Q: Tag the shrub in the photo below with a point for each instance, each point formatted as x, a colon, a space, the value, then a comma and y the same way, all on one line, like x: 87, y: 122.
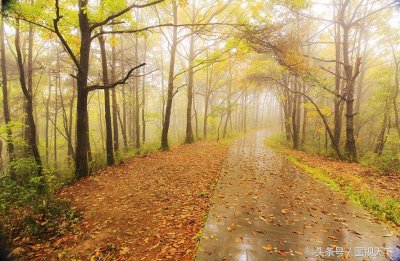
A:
x: 387, y: 162
x: 26, y: 205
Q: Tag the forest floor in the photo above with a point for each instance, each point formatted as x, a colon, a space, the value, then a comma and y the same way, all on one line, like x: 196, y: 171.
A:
x: 383, y: 184
x: 151, y: 207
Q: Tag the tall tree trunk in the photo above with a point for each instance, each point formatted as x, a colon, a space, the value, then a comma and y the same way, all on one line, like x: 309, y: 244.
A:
x: 396, y: 91
x: 57, y: 86
x: 381, y: 137
x: 168, y: 109
x: 189, y: 130
x: 82, y: 124
x: 305, y: 111
x: 350, y: 145
x: 144, y: 95
x: 196, y: 118
x: 337, y: 100
x: 295, y: 115
x: 363, y: 69
x: 207, y: 98
x: 124, y: 114
x: 4, y: 86
x: 137, y: 104
x: 229, y: 109
x: 100, y: 108
x: 107, y: 109
x: 162, y: 89
x: 29, y: 83
x: 205, y: 120
x: 67, y: 121
x: 114, y: 101
x: 29, y: 102
x: 48, y: 119
x: 71, y: 152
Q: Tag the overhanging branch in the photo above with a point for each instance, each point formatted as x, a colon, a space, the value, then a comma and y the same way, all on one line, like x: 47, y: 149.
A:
x: 114, y: 84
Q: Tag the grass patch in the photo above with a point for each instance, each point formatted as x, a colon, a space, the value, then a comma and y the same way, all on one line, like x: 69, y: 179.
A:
x: 276, y: 142
x: 385, y: 208
x: 318, y: 174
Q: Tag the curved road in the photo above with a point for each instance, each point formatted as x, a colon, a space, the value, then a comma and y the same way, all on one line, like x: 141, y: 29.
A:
x: 265, y: 209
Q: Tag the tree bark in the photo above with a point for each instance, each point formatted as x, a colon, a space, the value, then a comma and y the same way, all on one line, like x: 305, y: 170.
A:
x: 381, y: 137
x: 168, y: 109
x: 57, y: 86
x: 189, y: 129
x: 337, y: 100
x: 295, y: 115
x: 82, y: 125
x: 29, y: 103
x: 29, y: 83
x: 48, y: 119
x: 137, y: 104
x: 350, y: 145
x: 144, y: 96
x: 124, y: 114
x: 114, y: 101
x: 107, y: 109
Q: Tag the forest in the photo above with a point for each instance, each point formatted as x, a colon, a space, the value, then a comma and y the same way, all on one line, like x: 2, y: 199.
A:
x: 123, y: 123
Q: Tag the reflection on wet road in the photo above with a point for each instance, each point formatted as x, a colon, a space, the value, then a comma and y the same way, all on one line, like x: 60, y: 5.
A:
x: 265, y: 209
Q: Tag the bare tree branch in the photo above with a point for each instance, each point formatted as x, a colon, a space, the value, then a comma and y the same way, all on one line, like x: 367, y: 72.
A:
x: 114, y: 84
x: 61, y: 37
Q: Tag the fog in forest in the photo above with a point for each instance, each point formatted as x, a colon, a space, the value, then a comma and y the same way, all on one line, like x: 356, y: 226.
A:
x: 91, y: 86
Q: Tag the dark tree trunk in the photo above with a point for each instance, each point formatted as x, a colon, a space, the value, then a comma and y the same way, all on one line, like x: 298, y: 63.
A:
x: 100, y: 108
x: 107, y: 107
x: 189, y: 129
x: 350, y: 145
x: 124, y: 114
x: 162, y: 90
x: 295, y: 116
x: 229, y: 111
x: 286, y: 119
x: 137, y: 104
x: 381, y: 137
x: 114, y: 101
x: 48, y: 119
x: 57, y: 86
x: 144, y: 96
x: 205, y: 121
x: 338, y: 101
x: 29, y: 103
x: 196, y: 118
x: 168, y: 109
x: 82, y: 124
x: 305, y: 111
x: 29, y: 83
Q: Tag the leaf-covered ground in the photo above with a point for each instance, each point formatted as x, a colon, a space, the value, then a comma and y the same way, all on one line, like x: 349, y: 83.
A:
x: 147, y: 208
x: 383, y: 184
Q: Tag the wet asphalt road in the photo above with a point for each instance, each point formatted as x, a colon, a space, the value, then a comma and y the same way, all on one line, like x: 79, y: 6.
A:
x: 265, y: 209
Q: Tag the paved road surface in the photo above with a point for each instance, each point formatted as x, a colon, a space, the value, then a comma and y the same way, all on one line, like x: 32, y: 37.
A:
x: 265, y: 209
